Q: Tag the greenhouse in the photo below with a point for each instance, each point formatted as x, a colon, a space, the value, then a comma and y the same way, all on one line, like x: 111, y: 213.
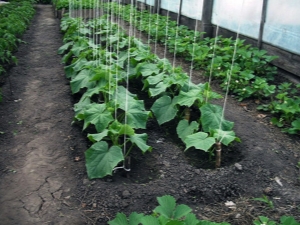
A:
x: 152, y: 112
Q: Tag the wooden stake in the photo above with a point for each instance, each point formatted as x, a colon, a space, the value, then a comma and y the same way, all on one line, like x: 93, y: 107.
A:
x: 218, y: 154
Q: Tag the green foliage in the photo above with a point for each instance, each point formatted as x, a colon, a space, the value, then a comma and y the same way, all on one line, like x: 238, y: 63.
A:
x: 249, y: 73
x: 167, y: 213
x: 244, y: 70
x: 265, y: 200
x: 284, y: 105
x: 15, y: 18
x: 74, y: 4
x: 284, y: 220
x: 97, y: 70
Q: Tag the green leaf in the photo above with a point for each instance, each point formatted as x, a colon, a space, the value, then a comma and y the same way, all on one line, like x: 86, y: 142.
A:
x: 122, y: 95
x: 175, y: 222
x: 83, y: 79
x: 184, y: 128
x: 205, y: 222
x: 100, y: 160
x: 149, y: 220
x: 137, y: 116
x: 158, y: 89
x: 211, y: 118
x: 98, y: 115
x: 190, y: 97
x: 152, y: 80
x: 288, y: 220
x: 148, y: 69
x: 65, y: 47
x: 135, y: 218
x: 164, y: 109
x: 295, y: 127
x: 200, y: 141
x: 141, y: 141
x: 97, y: 137
x: 120, y: 129
x: 120, y: 219
x: 181, y: 211
x: 166, y: 206
x: 191, y: 219
x: 226, y: 137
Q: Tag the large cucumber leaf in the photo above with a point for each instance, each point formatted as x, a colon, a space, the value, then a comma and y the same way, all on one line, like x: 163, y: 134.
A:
x: 199, y: 140
x: 164, y: 109
x: 212, y: 118
x: 184, y: 128
x: 100, y: 160
x: 98, y: 115
x: 82, y: 80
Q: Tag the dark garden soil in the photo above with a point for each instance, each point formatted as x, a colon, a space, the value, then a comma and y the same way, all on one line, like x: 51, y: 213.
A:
x: 42, y: 172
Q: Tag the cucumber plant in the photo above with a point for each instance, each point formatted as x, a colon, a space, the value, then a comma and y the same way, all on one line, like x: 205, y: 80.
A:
x: 112, y: 111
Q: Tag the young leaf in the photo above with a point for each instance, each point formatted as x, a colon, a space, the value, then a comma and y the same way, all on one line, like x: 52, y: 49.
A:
x: 164, y: 109
x: 83, y: 79
x: 166, y: 206
x: 98, y: 115
x: 137, y: 116
x: 140, y: 140
x: 181, y: 211
x: 184, y: 128
x: 158, y: 89
x: 120, y: 219
x: 211, y: 118
x: 288, y: 220
x: 191, y: 219
x: 148, y: 69
x: 226, y: 137
x: 200, y: 141
x: 149, y: 220
x: 97, y: 137
x: 100, y: 160
x: 189, y: 98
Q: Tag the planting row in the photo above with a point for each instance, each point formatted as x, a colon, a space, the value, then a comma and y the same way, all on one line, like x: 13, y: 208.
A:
x: 243, y: 69
x: 75, y: 4
x: 102, y: 63
x: 15, y: 17
x: 170, y: 213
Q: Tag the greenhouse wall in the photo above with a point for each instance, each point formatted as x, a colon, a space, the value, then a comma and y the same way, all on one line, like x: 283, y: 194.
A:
x: 272, y: 25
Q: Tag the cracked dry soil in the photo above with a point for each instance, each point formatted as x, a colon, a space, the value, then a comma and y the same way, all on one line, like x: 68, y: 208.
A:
x: 40, y: 182
x: 37, y: 177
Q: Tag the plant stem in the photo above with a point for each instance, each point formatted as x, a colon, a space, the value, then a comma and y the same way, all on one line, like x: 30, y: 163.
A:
x: 218, y: 154
x: 187, y: 113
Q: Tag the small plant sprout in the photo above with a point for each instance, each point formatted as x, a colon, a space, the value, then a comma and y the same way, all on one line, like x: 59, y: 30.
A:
x: 265, y: 200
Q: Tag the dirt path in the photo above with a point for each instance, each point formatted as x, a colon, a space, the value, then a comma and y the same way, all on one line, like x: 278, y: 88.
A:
x: 37, y: 178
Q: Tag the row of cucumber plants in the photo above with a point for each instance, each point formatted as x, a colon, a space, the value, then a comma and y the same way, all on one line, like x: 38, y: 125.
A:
x: 113, y: 114
x: 15, y: 17
x: 101, y: 57
x: 244, y: 68
x: 170, y: 213
x: 74, y: 4
x: 214, y: 54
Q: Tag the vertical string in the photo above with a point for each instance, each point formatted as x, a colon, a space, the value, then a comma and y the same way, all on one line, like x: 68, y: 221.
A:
x: 193, y: 55
x: 156, y: 31
x: 127, y: 83
x: 176, y: 37
x: 229, y: 74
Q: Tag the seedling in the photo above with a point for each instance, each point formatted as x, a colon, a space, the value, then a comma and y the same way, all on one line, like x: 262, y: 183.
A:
x: 265, y: 200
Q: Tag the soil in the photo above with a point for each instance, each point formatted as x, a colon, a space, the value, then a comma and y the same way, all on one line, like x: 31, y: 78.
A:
x: 42, y: 171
